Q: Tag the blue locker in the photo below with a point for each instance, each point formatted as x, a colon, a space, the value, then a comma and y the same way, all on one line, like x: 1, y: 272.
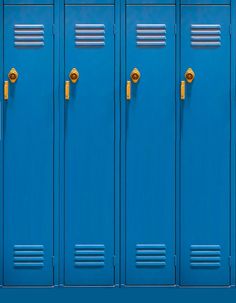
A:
x: 28, y: 145
x: 28, y: 2
x: 149, y: 2
x: 111, y: 173
x: 89, y: 2
x: 205, y: 2
x: 205, y: 145
x: 150, y: 145
x: 89, y: 145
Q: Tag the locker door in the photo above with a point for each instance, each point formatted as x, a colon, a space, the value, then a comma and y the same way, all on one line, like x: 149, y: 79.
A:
x: 150, y: 145
x: 89, y: 145
x: 205, y: 146
x: 28, y: 146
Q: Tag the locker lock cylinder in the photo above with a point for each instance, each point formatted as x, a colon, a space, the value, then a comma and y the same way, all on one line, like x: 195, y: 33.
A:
x: 74, y: 75
x: 135, y: 75
x: 13, y: 75
x: 189, y: 75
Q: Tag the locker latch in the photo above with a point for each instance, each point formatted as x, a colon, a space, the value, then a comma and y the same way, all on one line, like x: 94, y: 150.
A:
x: 128, y: 90
x: 189, y: 75
x: 6, y: 90
x: 74, y: 75
x: 135, y: 77
x: 13, y: 75
x: 182, y: 90
x: 67, y: 90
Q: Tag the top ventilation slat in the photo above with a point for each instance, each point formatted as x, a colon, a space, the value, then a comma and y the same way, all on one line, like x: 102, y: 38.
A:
x: 206, y: 26
x: 29, y: 26
x: 205, y: 35
x: 28, y: 35
x: 150, y: 35
x: 89, y: 35
x: 151, y: 26
x: 90, y: 26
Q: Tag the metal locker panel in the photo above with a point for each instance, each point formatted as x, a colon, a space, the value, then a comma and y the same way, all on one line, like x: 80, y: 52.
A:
x: 86, y: 2
x: 1, y: 148
x: 26, y: 2
x: 205, y: 146
x: 150, y: 2
x: 89, y: 146
x: 215, y: 2
x: 28, y: 146
x: 150, y: 146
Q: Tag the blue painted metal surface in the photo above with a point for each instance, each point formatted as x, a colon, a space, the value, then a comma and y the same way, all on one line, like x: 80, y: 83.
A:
x: 92, y: 2
x: 28, y: 146
x: 95, y: 192
x: 205, y: 147
x: 89, y: 146
x: 205, y: 2
x: 27, y: 2
x: 139, y: 294
x: 149, y: 2
x: 150, y: 146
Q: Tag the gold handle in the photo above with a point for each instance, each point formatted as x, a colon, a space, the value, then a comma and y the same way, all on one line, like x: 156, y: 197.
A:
x: 135, y: 75
x: 67, y: 90
x: 6, y: 90
x: 189, y: 75
x: 74, y: 75
x: 182, y: 90
x: 13, y: 75
x: 128, y: 90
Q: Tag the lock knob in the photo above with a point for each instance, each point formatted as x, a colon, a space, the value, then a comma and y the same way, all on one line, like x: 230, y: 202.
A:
x: 189, y: 75
x: 74, y: 75
x: 135, y: 75
x: 13, y: 75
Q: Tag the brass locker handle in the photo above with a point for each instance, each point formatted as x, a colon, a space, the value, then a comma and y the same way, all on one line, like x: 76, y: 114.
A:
x: 74, y: 75
x: 67, y: 90
x: 6, y: 90
x: 128, y: 90
x: 182, y: 90
x: 189, y: 75
x: 135, y: 75
x: 13, y: 75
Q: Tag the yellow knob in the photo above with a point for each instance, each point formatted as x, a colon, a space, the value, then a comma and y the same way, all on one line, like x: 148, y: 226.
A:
x: 189, y: 75
x: 13, y: 75
x: 135, y: 75
x: 74, y: 75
